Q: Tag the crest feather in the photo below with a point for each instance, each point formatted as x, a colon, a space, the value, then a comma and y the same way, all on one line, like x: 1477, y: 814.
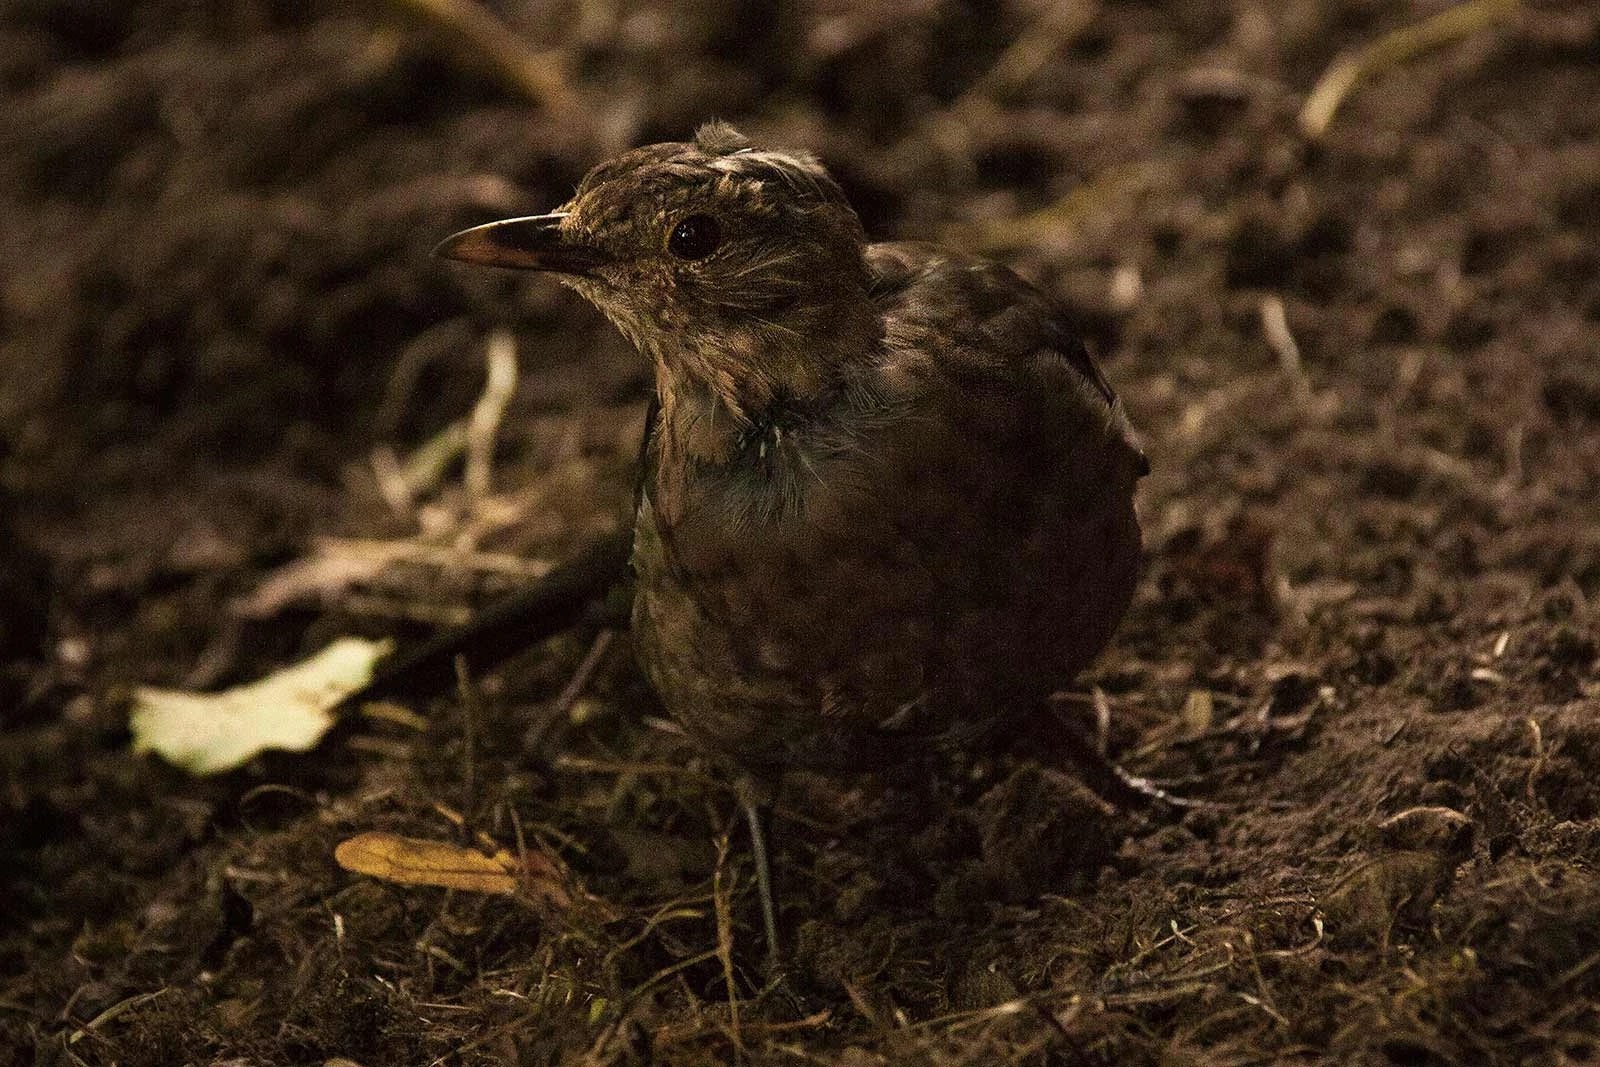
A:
x: 717, y: 138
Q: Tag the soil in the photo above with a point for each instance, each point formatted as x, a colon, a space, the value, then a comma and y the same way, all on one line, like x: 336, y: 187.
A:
x: 1367, y: 633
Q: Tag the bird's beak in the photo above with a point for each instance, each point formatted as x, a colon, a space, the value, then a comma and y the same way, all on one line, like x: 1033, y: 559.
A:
x: 532, y: 243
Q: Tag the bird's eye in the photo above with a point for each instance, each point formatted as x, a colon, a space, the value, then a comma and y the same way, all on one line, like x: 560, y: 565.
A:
x: 694, y: 237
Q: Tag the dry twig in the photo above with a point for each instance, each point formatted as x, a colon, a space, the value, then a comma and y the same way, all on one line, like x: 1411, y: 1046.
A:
x: 1063, y: 216
x: 484, y: 41
x: 1275, y: 325
x: 1349, y: 68
x: 722, y: 904
x: 483, y: 426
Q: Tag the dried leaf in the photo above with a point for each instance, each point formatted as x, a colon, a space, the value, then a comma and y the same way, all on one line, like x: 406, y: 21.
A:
x: 414, y: 861
x: 320, y: 578
x: 208, y: 733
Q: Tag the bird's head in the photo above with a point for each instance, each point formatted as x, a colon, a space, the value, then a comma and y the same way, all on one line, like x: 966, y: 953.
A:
x: 735, y: 268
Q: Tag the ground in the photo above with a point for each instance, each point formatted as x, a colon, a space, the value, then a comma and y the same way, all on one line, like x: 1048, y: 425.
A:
x: 1365, y: 361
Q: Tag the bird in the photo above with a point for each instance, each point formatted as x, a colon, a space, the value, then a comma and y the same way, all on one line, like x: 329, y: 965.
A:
x: 887, y: 499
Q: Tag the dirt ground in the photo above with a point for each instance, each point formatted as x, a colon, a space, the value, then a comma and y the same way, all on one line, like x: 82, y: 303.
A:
x: 1367, y: 630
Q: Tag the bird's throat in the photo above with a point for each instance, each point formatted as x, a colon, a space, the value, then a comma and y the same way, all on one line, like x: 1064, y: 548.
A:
x: 715, y: 389
x: 697, y: 424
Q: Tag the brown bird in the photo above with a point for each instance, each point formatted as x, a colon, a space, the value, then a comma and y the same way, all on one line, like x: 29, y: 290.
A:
x: 887, y: 498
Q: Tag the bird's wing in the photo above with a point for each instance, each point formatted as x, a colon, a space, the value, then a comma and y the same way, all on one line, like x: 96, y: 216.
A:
x: 983, y: 319
x: 641, y: 476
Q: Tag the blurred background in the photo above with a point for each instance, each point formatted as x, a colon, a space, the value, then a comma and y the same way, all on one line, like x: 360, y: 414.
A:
x: 1341, y: 259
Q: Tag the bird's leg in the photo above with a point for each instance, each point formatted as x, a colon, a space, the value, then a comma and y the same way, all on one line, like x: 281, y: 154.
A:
x: 757, y: 807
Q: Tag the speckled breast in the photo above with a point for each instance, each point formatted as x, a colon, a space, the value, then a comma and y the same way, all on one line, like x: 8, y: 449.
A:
x: 938, y: 589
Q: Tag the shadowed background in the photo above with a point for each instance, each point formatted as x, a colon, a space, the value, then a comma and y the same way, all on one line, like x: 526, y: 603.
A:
x: 1366, y: 359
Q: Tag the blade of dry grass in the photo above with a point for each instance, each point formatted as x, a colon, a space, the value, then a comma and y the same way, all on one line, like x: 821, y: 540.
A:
x: 1349, y: 68
x: 484, y: 41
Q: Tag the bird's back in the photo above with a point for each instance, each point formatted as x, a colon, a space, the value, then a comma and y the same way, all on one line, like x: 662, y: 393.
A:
x: 945, y: 541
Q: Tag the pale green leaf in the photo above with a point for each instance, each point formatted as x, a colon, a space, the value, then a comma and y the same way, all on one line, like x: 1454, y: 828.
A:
x: 208, y: 733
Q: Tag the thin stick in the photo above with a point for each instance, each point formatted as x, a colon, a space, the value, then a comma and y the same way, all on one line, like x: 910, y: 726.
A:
x: 758, y: 852
x: 469, y: 747
x: 1063, y: 216
x: 1538, y: 760
x: 427, y: 555
x: 392, y: 485
x: 499, y: 384
x: 1102, y: 721
x: 1348, y: 68
x: 585, y: 673
x: 564, y: 701
x: 1044, y: 38
x: 1275, y: 325
x: 425, y: 467
x: 723, y: 905
x: 481, y: 38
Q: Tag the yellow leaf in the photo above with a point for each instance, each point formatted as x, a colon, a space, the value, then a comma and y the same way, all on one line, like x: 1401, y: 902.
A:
x: 413, y: 861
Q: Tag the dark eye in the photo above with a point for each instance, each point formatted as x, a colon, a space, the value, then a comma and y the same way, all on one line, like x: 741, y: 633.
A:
x: 695, y: 237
